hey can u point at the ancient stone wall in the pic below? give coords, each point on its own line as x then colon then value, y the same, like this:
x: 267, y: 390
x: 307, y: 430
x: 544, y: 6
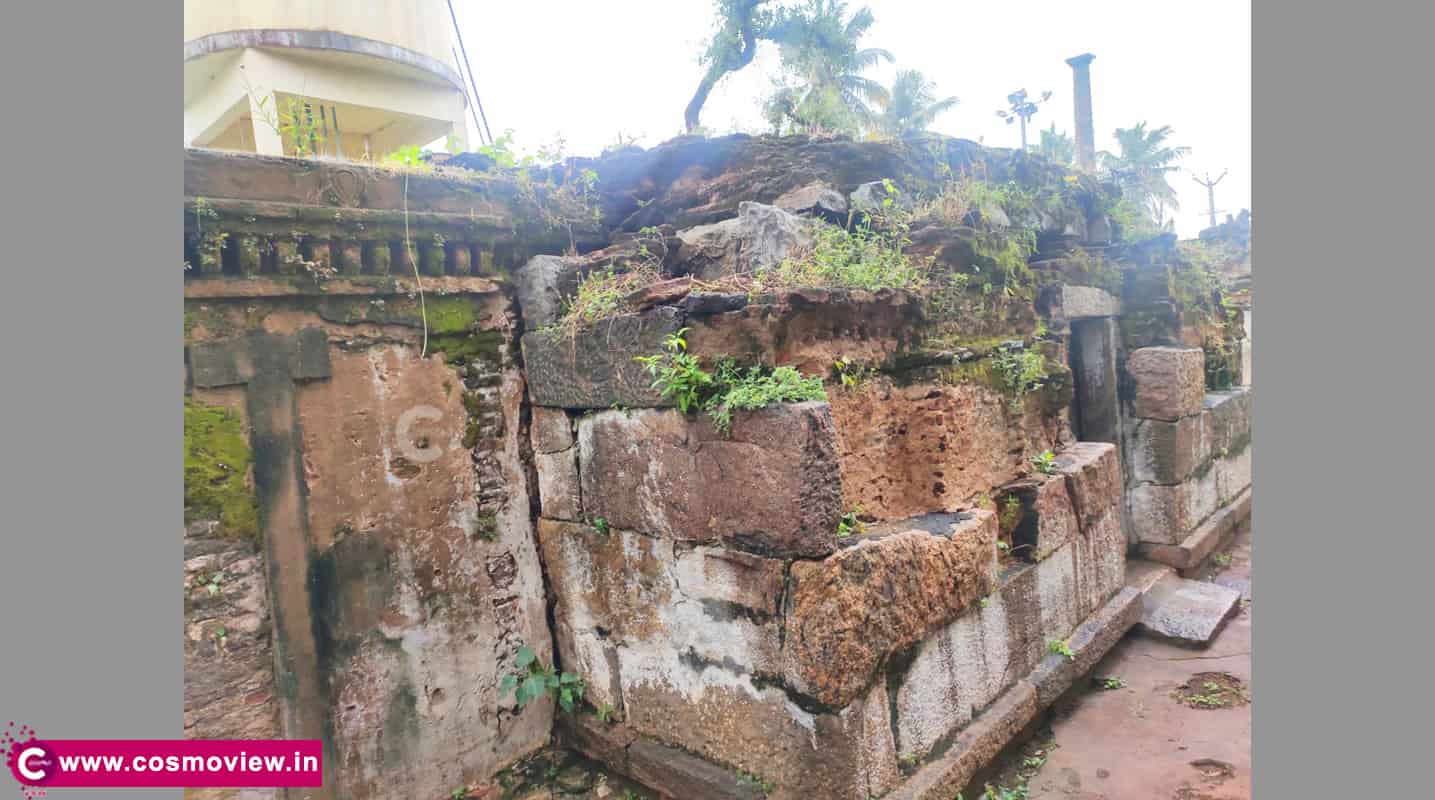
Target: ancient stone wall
x: 864, y: 593
x: 395, y: 563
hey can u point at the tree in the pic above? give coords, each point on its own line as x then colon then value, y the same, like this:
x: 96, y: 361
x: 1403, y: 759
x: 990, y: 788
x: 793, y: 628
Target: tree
x: 740, y: 24
x: 1141, y: 168
x: 912, y: 104
x: 1056, y: 147
x: 824, y: 89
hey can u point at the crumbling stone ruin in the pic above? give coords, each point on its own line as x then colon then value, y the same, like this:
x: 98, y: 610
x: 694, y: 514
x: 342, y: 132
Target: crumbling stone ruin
x: 431, y: 444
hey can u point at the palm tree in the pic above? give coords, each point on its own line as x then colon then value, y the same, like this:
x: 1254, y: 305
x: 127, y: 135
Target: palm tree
x: 826, y: 90
x: 912, y: 104
x: 1056, y: 147
x: 1143, y: 165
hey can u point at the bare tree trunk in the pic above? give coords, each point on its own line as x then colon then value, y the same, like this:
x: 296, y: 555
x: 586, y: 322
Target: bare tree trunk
x: 731, y: 62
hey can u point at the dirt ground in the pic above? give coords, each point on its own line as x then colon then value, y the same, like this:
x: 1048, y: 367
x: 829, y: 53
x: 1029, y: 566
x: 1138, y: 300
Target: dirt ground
x: 1150, y: 725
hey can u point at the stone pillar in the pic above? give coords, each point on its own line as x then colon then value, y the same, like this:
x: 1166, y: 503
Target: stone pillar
x: 1085, y: 136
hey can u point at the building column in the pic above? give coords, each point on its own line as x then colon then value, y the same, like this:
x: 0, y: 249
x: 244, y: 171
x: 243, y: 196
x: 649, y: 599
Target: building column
x: 1085, y: 132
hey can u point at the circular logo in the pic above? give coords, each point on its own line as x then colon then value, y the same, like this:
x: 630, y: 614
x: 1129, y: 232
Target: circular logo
x: 34, y: 763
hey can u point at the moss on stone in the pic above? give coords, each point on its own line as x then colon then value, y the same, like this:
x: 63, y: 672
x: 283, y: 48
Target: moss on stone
x: 216, y: 467
x: 448, y: 315
x: 486, y: 526
x: 462, y: 348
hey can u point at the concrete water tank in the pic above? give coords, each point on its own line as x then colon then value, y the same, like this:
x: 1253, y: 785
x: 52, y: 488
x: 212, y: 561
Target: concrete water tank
x: 343, y: 78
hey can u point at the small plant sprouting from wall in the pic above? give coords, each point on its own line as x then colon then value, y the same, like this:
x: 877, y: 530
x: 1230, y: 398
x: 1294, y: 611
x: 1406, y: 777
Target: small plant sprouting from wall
x: 601, y: 295
x: 1045, y: 463
x: 851, y: 523
x: 1061, y: 648
x: 864, y: 258
x: 755, y: 781
x: 679, y: 376
x: 534, y: 680
x: 1019, y: 372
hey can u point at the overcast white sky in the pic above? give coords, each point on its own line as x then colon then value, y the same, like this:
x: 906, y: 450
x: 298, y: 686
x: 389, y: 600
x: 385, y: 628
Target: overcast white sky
x: 592, y: 70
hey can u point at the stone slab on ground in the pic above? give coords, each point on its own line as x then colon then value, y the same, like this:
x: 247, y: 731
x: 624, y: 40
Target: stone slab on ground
x: 1186, y: 611
x: 1195, y: 548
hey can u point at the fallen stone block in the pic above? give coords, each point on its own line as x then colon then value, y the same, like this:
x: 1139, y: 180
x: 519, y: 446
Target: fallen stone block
x: 848, y: 613
x: 1185, y: 611
x: 595, y: 368
x: 1168, y: 382
x: 771, y: 487
x: 761, y: 236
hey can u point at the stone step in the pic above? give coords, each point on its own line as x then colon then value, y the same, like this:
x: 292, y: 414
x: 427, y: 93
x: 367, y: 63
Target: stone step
x: 1141, y: 574
x: 1185, y: 611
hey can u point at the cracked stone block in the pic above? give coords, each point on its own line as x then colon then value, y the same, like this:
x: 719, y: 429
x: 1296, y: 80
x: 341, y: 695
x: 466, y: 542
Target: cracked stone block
x: 1168, y: 382
x: 847, y: 613
x: 770, y: 487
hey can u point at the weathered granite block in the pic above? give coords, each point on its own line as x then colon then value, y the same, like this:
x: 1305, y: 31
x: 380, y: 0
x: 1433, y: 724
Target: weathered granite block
x: 771, y: 487
x: 595, y: 367
x: 1233, y: 474
x: 551, y: 430
x: 846, y: 614
x: 724, y: 715
x: 1048, y: 519
x: 1227, y: 417
x: 633, y: 590
x: 1101, y: 561
x: 558, y: 492
x: 540, y: 285
x: 1166, y: 514
x: 1058, y: 589
x: 1169, y: 452
x: 1068, y: 302
x: 1093, y: 479
x: 954, y: 675
x: 1168, y: 382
